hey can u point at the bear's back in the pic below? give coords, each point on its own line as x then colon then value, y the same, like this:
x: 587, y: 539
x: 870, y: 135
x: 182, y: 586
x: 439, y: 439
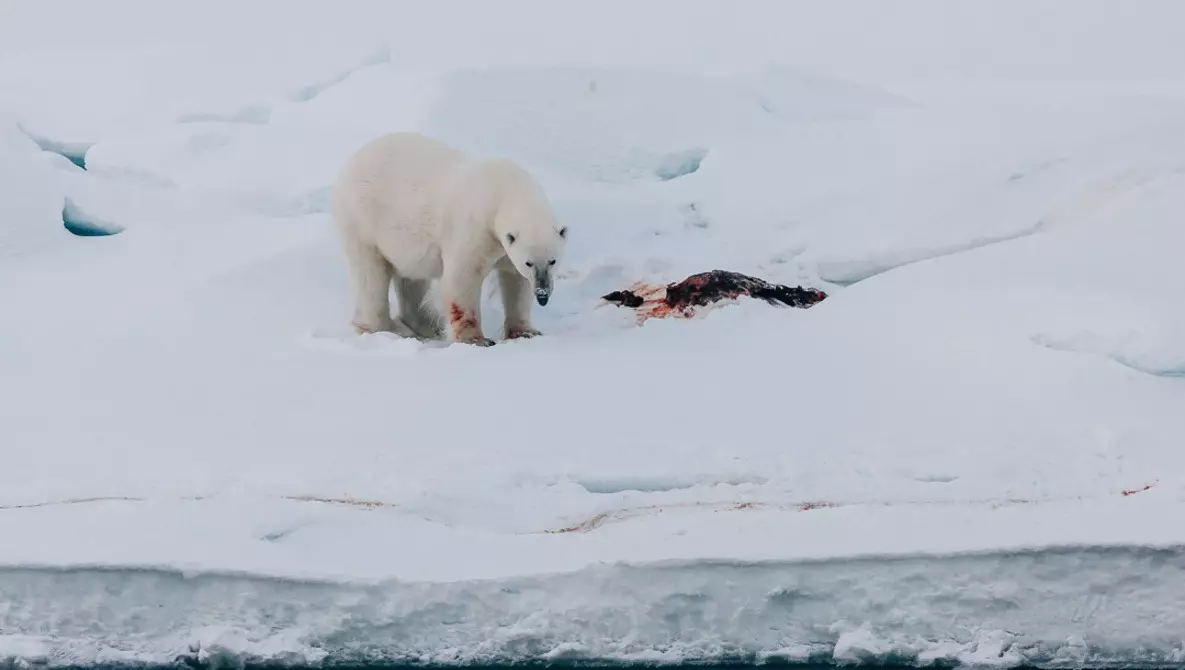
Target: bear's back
x: 394, y: 178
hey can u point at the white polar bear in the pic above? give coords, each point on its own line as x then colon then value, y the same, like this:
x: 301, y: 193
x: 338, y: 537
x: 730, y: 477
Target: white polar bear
x: 411, y: 209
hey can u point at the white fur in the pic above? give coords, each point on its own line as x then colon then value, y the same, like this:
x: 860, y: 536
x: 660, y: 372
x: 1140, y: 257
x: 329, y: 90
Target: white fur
x: 410, y: 210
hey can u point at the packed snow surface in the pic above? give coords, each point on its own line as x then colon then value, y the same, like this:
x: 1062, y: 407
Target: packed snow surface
x: 971, y: 452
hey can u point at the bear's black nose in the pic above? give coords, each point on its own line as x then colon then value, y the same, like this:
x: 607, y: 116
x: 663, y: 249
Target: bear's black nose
x: 541, y: 298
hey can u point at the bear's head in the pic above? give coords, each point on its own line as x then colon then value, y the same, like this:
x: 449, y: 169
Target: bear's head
x: 534, y: 241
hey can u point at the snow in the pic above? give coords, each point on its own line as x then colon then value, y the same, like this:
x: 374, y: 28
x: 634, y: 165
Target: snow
x: 969, y: 453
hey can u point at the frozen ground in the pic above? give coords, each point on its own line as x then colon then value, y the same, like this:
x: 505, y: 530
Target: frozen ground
x: 971, y: 452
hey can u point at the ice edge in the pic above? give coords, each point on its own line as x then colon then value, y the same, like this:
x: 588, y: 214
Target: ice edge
x: 1084, y: 607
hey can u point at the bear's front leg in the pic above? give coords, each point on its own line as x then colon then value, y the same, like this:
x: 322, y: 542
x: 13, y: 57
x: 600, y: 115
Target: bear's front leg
x: 462, y: 295
x: 516, y: 301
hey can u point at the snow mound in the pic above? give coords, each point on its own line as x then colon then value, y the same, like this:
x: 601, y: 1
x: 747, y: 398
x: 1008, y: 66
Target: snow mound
x: 31, y: 200
x: 75, y: 96
x: 622, y: 125
x: 1147, y: 346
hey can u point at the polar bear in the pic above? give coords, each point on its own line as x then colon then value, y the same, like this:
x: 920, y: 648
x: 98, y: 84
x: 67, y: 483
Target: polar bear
x: 410, y: 209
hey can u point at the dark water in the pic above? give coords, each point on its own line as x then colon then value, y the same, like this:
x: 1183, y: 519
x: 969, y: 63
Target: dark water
x: 581, y: 665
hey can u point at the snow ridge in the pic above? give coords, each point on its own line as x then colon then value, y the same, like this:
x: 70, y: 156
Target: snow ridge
x: 1048, y: 608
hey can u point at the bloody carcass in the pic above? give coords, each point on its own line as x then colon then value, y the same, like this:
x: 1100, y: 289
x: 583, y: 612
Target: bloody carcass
x: 682, y: 299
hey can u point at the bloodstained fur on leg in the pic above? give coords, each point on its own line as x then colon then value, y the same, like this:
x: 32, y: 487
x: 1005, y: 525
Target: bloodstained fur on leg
x: 459, y: 320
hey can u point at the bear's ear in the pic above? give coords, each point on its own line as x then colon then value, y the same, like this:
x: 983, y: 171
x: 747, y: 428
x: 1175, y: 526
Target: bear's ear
x: 510, y: 238
x: 564, y: 232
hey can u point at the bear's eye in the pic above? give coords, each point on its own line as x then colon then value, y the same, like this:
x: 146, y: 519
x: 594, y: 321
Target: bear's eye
x: 564, y: 231
x: 509, y: 238
x: 551, y: 262
x: 529, y: 264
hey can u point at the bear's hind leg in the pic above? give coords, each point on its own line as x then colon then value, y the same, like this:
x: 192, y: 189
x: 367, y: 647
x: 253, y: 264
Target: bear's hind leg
x: 414, y: 312
x: 370, y: 275
x: 516, y: 302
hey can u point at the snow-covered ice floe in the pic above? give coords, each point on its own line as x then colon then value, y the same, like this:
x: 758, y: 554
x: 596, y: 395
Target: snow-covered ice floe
x: 969, y: 453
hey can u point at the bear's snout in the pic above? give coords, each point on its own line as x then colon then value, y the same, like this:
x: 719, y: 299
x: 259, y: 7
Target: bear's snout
x: 542, y: 285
